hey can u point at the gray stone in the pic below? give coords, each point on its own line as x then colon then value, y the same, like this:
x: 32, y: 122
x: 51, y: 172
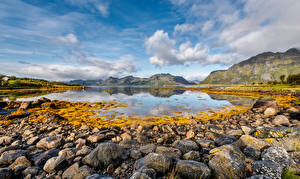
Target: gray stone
x: 103, y: 155
x: 19, y: 169
x: 33, y: 171
x: 185, y: 145
x: 98, y: 176
x: 227, y: 161
x: 149, y: 148
x: 139, y: 175
x: 135, y: 154
x: 10, y: 156
x: 5, y: 173
x: 268, y: 168
x: 251, y: 142
x: 159, y: 162
x: 252, y: 153
x: 189, y: 169
x: 40, y: 159
x: 54, y: 164
x: 225, y: 139
x: 278, y: 155
x: 170, y: 152
x: 206, y: 143
x: 49, y: 142
x: 259, y: 177
x: 246, y: 130
x: 280, y: 120
x: 33, y: 140
x: 192, y: 155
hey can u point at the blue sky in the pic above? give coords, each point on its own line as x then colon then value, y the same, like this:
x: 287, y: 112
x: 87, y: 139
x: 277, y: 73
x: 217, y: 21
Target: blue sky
x: 92, y: 39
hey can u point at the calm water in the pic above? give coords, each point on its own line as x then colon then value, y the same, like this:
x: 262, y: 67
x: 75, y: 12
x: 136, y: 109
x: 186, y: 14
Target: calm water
x: 143, y: 100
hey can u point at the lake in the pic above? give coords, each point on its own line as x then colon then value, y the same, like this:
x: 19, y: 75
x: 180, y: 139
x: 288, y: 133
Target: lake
x: 141, y: 100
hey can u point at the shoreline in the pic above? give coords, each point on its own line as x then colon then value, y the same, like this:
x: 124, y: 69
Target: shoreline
x: 53, y: 149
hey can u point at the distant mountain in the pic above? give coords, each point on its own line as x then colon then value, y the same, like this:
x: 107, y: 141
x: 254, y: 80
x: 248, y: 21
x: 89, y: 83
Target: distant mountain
x: 261, y: 68
x: 155, y: 80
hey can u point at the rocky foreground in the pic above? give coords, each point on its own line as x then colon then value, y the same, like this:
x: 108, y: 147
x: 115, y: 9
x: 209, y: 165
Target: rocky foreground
x: 261, y: 143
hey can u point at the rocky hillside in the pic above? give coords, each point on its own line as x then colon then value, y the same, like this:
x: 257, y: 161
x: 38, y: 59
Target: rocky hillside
x: 155, y: 80
x: 261, y: 68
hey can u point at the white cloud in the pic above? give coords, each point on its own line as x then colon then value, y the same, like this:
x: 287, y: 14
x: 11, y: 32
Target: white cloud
x: 68, y: 39
x: 101, y: 6
x: 92, y: 68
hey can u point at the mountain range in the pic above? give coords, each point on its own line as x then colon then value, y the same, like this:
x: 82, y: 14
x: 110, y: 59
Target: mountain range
x: 261, y: 68
x: 154, y: 80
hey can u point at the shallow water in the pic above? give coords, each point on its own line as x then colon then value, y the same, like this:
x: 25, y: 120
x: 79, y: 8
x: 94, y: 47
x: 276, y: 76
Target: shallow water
x: 145, y: 100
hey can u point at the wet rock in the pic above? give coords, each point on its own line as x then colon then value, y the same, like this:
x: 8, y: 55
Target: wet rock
x: 206, y: 143
x: 192, y: 155
x: 149, y: 148
x: 280, y: 120
x: 189, y: 169
x: 9, y: 157
x: 270, y: 112
x: 227, y: 161
x: 49, y: 142
x: 251, y: 142
x: 54, y: 164
x: 170, y: 152
x: 40, y: 159
x: 268, y: 168
x: 103, y: 155
x: 159, y: 162
x: 5, y: 173
x: 98, y: 176
x: 225, y: 139
x: 278, y: 155
x: 185, y: 145
x: 76, y: 172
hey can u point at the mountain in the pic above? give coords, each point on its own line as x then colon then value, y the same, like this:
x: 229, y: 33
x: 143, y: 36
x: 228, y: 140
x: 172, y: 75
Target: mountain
x: 261, y: 68
x: 155, y: 80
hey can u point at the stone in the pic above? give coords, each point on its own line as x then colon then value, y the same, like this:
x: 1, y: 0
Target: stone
x: 20, y: 161
x: 235, y: 132
x: 129, y: 144
x: 270, y: 112
x: 149, y: 148
x: 225, y: 139
x: 190, y: 134
x: 251, y: 142
x: 10, y: 156
x: 159, y: 162
x: 76, y: 172
x: 54, y: 164
x: 103, y: 155
x: 278, y: 155
x: 98, y: 176
x: 150, y: 172
x: 192, y: 155
x: 95, y: 138
x: 54, y: 118
x: 265, y: 103
x: 252, y: 153
x: 19, y: 169
x: 185, y: 145
x: 49, y: 142
x: 204, y: 143
x: 135, y: 154
x: 41, y: 158
x: 126, y: 136
x: 189, y: 169
x: 25, y: 105
x: 68, y: 152
x: 227, y: 161
x: 6, y: 140
x: 33, y: 140
x: 5, y: 173
x: 33, y: 171
x: 80, y: 142
x: 139, y: 175
x: 247, y: 130
x: 268, y: 168
x: 293, y: 110
x: 170, y: 152
x: 83, y: 151
x: 280, y: 120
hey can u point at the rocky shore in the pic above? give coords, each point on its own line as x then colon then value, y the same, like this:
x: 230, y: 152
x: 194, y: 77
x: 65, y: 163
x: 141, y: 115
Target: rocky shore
x: 262, y: 143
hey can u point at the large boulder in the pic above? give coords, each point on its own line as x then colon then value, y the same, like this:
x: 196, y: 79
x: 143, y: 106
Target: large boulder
x: 227, y: 161
x: 49, y: 142
x: 278, y: 155
x: 185, y: 145
x: 9, y: 157
x: 103, y: 155
x: 159, y: 162
x: 268, y: 168
x: 189, y: 169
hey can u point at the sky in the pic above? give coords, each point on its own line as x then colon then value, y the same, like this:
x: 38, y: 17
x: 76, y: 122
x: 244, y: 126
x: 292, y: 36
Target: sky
x: 64, y: 40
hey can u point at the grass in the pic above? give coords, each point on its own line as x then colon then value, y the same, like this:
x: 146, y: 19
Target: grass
x: 290, y: 174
